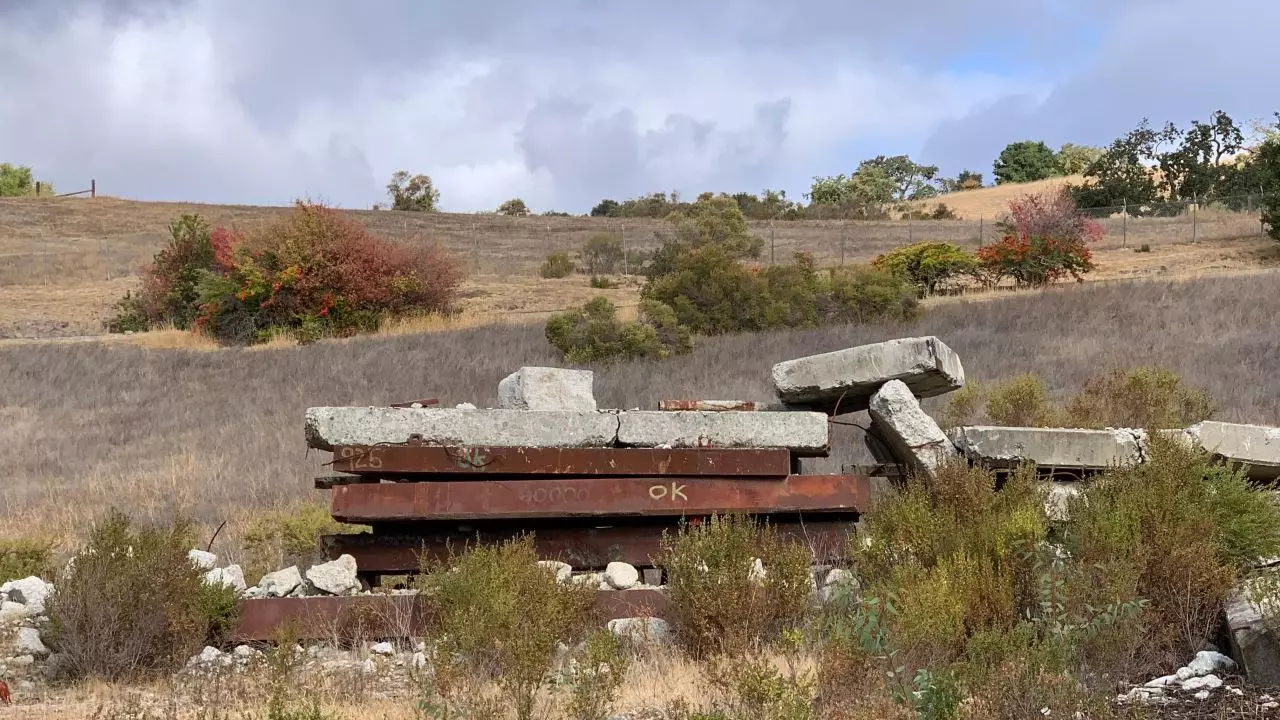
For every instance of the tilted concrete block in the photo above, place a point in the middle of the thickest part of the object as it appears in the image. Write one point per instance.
(912, 436)
(804, 433)
(330, 426)
(1256, 446)
(1006, 447)
(546, 388)
(850, 377)
(1253, 644)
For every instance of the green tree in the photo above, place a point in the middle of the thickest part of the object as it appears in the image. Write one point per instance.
(709, 221)
(1266, 164)
(864, 194)
(1025, 161)
(1194, 168)
(926, 264)
(601, 255)
(16, 180)
(605, 208)
(911, 180)
(1122, 174)
(514, 207)
(417, 193)
(1074, 159)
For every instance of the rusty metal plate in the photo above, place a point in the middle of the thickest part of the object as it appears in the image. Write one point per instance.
(709, 405)
(596, 497)
(618, 462)
(584, 548)
(388, 617)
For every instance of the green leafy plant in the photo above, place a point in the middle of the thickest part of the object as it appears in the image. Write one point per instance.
(1143, 397)
(601, 255)
(927, 265)
(291, 535)
(600, 671)
(26, 557)
(594, 333)
(558, 265)
(1021, 401)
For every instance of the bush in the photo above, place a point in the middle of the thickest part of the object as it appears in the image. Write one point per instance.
(1177, 531)
(313, 274)
(25, 557)
(594, 333)
(1145, 397)
(602, 283)
(499, 616)
(1045, 239)
(718, 607)
(132, 603)
(600, 672)
(558, 265)
(1021, 401)
(16, 180)
(601, 255)
(927, 264)
(289, 536)
(514, 207)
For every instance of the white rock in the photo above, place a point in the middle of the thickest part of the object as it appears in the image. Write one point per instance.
(337, 577)
(621, 576)
(27, 642)
(654, 630)
(203, 560)
(562, 570)
(208, 656)
(20, 661)
(281, 582)
(1160, 682)
(11, 612)
(465, 406)
(419, 660)
(231, 576)
(1209, 661)
(369, 667)
(29, 591)
(244, 653)
(1211, 682)
(757, 572)
(1202, 695)
(383, 648)
(1184, 673)
(545, 388)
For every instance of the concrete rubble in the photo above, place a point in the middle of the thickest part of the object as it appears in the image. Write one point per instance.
(910, 433)
(1256, 446)
(1252, 641)
(545, 388)
(848, 378)
(1006, 447)
(804, 433)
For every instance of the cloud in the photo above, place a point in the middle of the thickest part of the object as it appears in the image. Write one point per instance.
(562, 103)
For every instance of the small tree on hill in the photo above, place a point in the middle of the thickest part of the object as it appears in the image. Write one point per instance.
(1074, 159)
(1025, 161)
(601, 255)
(417, 193)
(605, 208)
(514, 207)
(16, 180)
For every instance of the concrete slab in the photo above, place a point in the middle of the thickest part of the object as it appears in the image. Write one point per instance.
(925, 364)
(1256, 446)
(911, 435)
(1253, 645)
(804, 433)
(1006, 447)
(547, 388)
(330, 426)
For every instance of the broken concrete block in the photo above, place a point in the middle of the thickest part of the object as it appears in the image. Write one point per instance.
(330, 426)
(546, 388)
(850, 377)
(1255, 446)
(1058, 497)
(1006, 447)
(1252, 643)
(804, 433)
(912, 436)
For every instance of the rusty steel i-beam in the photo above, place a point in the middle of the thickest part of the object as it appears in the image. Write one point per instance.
(567, 462)
(585, 548)
(596, 497)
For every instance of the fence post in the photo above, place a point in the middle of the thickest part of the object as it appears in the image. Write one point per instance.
(1124, 224)
(844, 233)
(622, 238)
(93, 188)
(1195, 208)
(771, 241)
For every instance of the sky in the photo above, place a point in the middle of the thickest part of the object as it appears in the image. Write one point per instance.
(565, 102)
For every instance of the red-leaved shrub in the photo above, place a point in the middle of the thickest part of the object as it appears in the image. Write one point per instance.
(1045, 239)
(317, 273)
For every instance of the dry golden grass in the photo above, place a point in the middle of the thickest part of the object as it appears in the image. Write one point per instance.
(991, 202)
(66, 261)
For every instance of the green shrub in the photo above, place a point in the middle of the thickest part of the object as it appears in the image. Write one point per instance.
(601, 670)
(927, 265)
(498, 615)
(558, 265)
(601, 255)
(1021, 401)
(963, 405)
(16, 180)
(1143, 248)
(718, 606)
(1144, 397)
(25, 557)
(602, 283)
(594, 333)
(289, 536)
(171, 283)
(132, 603)
(1178, 531)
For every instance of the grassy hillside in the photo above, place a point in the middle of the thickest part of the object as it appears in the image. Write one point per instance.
(991, 202)
(219, 434)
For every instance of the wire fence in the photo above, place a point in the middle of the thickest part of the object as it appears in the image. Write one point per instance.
(495, 245)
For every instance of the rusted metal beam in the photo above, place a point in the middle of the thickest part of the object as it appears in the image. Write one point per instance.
(585, 548)
(326, 482)
(386, 617)
(386, 460)
(596, 497)
(710, 405)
